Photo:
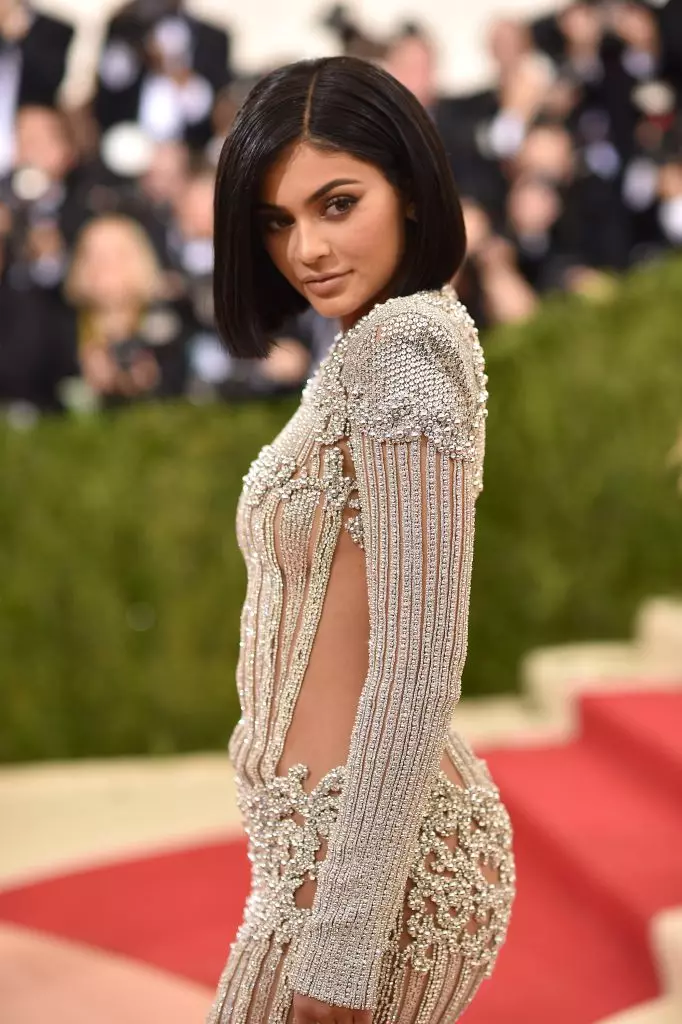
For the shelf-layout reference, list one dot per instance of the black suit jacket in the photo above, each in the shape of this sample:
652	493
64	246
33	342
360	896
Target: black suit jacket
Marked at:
44	51
37	348
211	47
462	123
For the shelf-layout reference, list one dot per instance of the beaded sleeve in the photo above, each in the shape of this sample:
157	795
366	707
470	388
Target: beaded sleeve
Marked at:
414	409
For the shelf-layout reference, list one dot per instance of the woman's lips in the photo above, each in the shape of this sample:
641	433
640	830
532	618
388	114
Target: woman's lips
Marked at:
327	286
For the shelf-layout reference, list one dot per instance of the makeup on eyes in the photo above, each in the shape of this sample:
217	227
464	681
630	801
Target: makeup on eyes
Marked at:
350	200
319	193
270	215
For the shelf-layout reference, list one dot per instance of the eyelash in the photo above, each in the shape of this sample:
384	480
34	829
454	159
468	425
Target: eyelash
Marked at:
351	200
274	224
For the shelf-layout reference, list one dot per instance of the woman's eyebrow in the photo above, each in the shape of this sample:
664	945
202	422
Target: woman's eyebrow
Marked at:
317	194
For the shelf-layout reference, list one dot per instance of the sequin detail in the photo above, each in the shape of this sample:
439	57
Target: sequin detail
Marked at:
282	852
404	404
423	372
387	443
452	913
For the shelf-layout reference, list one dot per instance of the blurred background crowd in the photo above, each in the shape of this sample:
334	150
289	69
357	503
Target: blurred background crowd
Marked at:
569	167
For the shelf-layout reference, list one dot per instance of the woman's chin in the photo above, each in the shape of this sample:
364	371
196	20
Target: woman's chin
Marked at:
332	308
336	307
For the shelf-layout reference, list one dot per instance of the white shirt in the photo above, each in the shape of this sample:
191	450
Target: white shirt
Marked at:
10	78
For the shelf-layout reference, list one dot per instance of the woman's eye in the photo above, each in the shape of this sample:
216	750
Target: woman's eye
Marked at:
341	204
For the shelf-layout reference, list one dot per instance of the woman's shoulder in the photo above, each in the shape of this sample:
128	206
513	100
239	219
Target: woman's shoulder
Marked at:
431	323
414	363
411	340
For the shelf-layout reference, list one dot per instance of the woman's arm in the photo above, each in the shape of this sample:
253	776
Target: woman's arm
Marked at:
413	409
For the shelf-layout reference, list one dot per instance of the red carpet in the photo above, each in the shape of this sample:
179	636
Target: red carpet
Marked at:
598	827
178	911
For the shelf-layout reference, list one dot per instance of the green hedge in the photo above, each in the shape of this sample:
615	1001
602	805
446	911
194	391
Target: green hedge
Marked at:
121	583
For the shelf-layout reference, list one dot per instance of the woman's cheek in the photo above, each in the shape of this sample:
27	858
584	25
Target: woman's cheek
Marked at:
360	238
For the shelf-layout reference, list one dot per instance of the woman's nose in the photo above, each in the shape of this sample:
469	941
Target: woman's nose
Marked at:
308	244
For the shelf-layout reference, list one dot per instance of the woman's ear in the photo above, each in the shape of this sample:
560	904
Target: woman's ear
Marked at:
410	211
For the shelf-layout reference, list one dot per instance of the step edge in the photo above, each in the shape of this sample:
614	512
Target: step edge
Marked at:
569	864
663	1010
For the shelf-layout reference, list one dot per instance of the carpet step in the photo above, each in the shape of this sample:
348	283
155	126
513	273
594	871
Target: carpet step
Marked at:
642	731
564	962
666	1010
178	910
42	977
666	941
615	839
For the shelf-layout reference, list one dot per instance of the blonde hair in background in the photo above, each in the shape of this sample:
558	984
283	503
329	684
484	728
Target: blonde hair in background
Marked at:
142	266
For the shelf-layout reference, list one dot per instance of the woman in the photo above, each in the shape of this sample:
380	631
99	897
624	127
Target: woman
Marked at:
131	342
382	867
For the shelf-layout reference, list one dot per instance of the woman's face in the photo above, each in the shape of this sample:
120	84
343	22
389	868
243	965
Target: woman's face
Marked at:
111	264
334	227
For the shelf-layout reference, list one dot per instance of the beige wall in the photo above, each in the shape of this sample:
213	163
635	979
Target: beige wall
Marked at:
282	30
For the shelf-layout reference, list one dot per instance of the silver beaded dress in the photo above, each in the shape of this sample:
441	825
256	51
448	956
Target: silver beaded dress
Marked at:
382	870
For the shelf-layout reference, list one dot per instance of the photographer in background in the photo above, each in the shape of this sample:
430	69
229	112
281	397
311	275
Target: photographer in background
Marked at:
45	196
489	281
33	54
212	373
162	68
37	350
129	337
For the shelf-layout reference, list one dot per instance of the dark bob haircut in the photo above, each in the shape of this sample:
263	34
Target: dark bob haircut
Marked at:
342	104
